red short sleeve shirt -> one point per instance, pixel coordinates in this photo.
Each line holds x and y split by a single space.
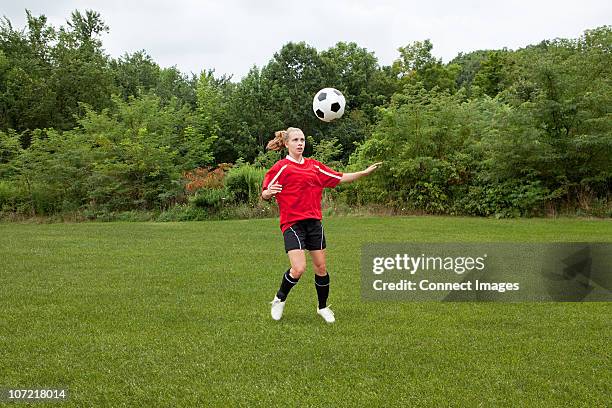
303 183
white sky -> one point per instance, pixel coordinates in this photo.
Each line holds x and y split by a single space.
233 35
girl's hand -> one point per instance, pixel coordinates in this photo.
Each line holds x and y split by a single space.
272 190
372 168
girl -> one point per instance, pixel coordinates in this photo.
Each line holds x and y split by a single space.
297 183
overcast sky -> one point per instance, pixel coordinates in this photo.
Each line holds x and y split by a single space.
233 35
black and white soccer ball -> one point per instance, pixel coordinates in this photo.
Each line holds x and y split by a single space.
328 104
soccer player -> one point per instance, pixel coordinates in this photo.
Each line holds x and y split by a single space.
297 184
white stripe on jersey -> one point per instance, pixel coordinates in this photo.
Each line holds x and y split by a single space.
328 173
277 174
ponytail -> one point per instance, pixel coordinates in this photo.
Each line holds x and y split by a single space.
280 137
278 143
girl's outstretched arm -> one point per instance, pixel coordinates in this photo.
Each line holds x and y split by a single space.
349 177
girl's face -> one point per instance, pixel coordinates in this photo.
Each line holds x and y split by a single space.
296 143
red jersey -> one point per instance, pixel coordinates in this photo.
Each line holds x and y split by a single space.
303 183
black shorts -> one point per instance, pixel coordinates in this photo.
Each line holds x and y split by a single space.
305 234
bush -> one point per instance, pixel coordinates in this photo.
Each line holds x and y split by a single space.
10 196
244 183
183 212
507 199
203 177
429 197
211 198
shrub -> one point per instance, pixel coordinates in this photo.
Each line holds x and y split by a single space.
244 183
183 212
211 198
206 178
10 195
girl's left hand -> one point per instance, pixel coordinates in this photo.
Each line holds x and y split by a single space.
372 168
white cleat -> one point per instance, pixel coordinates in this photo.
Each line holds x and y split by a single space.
327 314
277 308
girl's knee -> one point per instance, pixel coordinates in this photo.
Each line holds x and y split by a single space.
297 271
320 269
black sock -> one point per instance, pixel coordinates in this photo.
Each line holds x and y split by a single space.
286 285
322 285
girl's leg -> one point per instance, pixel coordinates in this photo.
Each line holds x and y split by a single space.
297 258
290 279
321 277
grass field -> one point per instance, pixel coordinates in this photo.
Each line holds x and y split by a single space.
177 314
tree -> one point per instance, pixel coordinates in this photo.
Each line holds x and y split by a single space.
135 74
494 76
82 73
417 64
290 80
250 123
206 129
353 69
27 92
469 64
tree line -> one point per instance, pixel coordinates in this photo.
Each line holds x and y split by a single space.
492 132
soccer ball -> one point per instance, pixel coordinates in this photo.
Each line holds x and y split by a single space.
328 104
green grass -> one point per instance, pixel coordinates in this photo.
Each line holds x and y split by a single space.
177 314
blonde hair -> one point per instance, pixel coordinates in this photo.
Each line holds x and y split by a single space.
280 137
